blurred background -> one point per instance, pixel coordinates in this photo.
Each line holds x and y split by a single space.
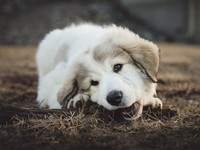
27 21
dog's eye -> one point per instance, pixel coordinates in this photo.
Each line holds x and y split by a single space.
94 83
117 67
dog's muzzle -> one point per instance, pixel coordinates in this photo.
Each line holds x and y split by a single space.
129 113
114 98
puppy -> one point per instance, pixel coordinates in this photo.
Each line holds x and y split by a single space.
108 65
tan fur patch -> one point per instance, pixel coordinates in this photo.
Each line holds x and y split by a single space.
69 90
105 51
145 57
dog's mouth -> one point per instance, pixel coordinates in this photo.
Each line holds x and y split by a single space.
131 113
128 113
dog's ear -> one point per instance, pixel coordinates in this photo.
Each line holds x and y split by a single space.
67 92
146 58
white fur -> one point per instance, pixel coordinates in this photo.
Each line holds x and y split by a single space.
61 50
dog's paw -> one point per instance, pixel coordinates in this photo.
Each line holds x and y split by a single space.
74 101
156 103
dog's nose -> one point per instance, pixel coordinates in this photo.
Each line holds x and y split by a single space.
114 97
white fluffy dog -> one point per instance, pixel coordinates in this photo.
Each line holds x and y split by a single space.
108 65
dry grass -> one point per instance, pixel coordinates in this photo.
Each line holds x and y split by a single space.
176 127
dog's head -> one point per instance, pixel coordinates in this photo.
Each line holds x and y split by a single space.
116 73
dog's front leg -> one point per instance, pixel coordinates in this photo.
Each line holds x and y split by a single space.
49 86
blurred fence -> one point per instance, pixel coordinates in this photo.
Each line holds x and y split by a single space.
27 21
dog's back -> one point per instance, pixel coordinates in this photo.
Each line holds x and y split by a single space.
60 45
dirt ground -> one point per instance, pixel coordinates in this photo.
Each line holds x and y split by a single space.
176 127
